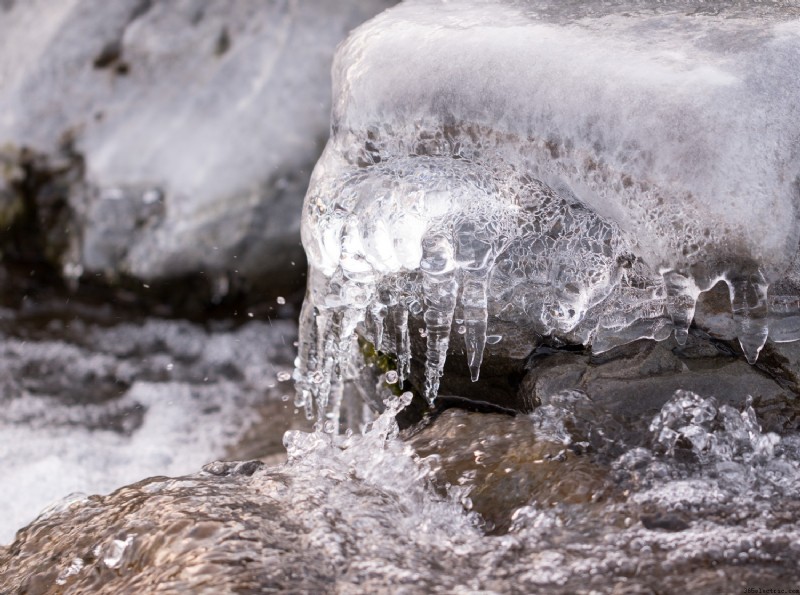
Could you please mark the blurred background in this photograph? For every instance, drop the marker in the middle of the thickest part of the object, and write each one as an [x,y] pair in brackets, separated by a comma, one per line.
[154,155]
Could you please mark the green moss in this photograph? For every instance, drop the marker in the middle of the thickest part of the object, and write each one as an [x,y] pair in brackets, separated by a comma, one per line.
[381,361]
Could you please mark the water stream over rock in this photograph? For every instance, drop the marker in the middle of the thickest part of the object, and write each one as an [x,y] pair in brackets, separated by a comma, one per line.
[549,342]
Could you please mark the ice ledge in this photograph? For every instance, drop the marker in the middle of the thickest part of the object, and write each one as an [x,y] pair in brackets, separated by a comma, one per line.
[586,176]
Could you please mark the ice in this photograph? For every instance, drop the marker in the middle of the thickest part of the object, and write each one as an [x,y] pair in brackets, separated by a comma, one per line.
[583,171]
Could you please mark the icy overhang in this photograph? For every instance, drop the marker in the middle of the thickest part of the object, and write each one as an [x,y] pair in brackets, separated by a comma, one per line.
[583,170]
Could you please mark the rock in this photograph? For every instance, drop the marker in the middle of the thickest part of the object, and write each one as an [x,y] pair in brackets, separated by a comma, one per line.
[189,131]
[637,379]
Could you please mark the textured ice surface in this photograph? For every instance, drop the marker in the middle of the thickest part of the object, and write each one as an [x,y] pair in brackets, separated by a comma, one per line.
[581,172]
[98,408]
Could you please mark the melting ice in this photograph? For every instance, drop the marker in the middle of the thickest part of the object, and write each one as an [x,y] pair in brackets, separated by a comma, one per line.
[581,173]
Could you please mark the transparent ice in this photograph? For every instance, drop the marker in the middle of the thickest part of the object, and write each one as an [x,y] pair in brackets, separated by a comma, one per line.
[576,171]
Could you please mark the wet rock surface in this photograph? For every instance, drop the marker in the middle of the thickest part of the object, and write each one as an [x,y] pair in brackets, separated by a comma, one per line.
[572,499]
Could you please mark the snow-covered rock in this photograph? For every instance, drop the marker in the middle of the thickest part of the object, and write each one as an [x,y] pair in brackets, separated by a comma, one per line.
[193,125]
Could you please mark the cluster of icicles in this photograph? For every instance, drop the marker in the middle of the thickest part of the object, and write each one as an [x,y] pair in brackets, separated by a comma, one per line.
[425,241]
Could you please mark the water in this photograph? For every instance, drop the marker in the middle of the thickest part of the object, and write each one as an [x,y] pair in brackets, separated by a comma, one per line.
[570,499]
[93,399]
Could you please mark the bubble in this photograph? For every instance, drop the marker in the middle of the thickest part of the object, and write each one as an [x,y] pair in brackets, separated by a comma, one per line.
[415,307]
[391,377]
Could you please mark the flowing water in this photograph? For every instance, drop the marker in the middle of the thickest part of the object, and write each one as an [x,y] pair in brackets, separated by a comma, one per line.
[570,499]
[504,181]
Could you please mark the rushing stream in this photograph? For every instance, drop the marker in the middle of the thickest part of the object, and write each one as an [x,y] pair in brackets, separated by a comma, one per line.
[570,499]
[550,340]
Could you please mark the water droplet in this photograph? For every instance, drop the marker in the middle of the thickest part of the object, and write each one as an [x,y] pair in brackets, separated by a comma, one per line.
[461,329]
[170,366]
[151,196]
[493,339]
[391,377]
[281,300]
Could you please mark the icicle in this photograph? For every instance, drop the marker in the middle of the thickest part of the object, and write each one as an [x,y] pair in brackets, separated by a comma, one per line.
[439,290]
[784,323]
[349,319]
[376,316]
[473,303]
[403,342]
[307,356]
[330,420]
[682,296]
[748,295]
[323,375]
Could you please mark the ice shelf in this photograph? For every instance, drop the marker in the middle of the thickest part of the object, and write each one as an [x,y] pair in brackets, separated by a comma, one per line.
[584,171]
